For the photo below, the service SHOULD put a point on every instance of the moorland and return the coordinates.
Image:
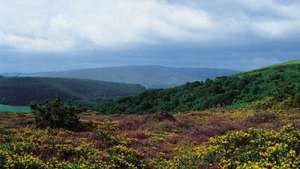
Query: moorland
(246, 120)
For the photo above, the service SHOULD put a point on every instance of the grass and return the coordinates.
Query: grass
(16, 109)
(287, 63)
(292, 62)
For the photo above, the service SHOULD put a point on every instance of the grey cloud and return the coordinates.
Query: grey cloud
(54, 35)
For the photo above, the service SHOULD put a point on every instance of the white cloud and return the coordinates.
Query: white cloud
(103, 23)
(59, 25)
(277, 29)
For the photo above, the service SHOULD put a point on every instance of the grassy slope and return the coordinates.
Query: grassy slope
(22, 91)
(279, 82)
(16, 109)
(292, 62)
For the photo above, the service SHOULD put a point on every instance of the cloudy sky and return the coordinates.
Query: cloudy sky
(45, 35)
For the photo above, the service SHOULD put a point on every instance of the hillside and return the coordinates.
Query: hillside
(14, 109)
(149, 76)
(24, 90)
(277, 85)
(213, 138)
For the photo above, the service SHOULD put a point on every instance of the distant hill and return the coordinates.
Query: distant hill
(149, 76)
(24, 90)
(277, 85)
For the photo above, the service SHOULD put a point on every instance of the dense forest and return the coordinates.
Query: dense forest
(278, 83)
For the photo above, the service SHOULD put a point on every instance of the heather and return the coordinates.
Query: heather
(216, 138)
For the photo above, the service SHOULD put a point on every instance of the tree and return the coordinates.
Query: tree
(55, 114)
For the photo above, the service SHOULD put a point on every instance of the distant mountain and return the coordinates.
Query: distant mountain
(276, 86)
(149, 76)
(24, 90)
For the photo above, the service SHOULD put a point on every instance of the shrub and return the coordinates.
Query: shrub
(55, 114)
(26, 162)
(125, 158)
(262, 117)
(255, 148)
(162, 116)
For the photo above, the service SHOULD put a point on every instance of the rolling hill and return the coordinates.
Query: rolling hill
(277, 85)
(24, 90)
(149, 76)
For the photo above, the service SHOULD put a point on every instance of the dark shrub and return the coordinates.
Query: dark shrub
(55, 114)
(163, 116)
(262, 117)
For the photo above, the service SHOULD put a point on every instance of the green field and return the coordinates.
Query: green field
(16, 109)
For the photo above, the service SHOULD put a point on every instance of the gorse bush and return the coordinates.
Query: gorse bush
(153, 145)
(254, 148)
(55, 114)
(125, 158)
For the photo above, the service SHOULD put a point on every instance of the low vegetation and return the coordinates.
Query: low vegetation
(218, 138)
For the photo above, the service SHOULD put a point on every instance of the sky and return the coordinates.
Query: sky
(50, 35)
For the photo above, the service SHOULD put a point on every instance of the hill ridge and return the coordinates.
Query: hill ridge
(151, 76)
(271, 86)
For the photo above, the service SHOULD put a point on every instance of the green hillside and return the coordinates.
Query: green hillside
(15, 109)
(24, 90)
(291, 62)
(277, 85)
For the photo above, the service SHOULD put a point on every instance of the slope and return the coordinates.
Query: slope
(149, 76)
(24, 90)
(277, 85)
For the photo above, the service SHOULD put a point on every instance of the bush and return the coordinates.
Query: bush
(262, 117)
(125, 158)
(255, 149)
(26, 162)
(55, 114)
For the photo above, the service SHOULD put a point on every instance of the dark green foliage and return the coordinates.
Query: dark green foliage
(55, 114)
(281, 83)
(23, 90)
(297, 97)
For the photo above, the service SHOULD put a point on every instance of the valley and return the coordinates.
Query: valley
(26, 90)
